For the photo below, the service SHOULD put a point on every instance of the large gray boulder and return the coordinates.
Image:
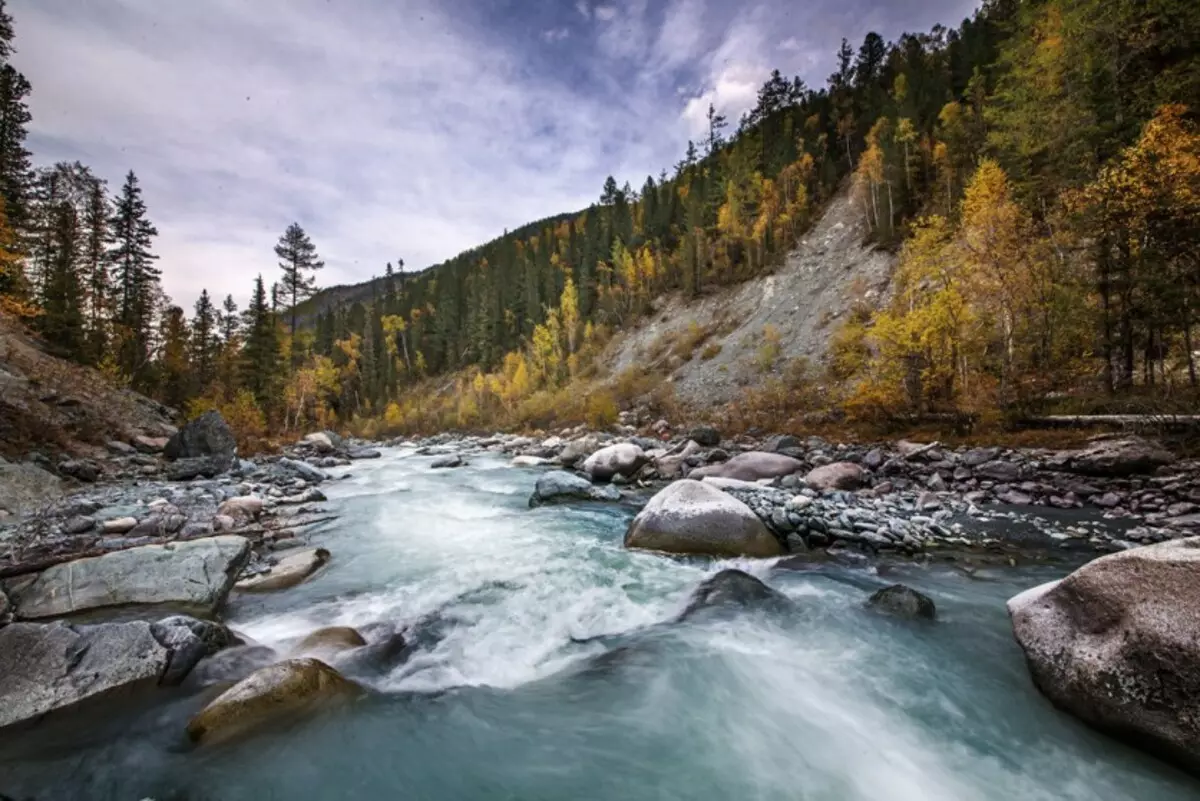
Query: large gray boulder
(1117, 644)
(195, 576)
(836, 476)
(903, 602)
(751, 466)
(559, 486)
(206, 437)
(44, 668)
(1126, 456)
(622, 459)
(696, 518)
(577, 450)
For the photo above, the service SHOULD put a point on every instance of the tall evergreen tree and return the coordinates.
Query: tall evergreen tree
(205, 340)
(260, 353)
(228, 321)
(136, 277)
(94, 261)
(16, 171)
(62, 318)
(176, 380)
(299, 262)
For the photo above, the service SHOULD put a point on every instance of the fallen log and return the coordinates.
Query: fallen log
(1122, 421)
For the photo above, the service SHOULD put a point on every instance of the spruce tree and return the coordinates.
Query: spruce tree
(61, 321)
(94, 261)
(205, 341)
(299, 262)
(16, 171)
(176, 379)
(228, 321)
(260, 354)
(136, 277)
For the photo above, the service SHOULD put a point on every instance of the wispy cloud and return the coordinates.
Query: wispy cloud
(390, 130)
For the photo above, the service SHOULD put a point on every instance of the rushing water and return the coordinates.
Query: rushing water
(828, 703)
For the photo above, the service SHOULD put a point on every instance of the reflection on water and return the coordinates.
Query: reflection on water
(497, 701)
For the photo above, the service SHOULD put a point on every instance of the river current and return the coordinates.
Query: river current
(499, 701)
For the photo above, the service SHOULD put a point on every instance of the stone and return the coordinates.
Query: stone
(998, 471)
(302, 469)
(697, 518)
(201, 466)
(577, 450)
(50, 667)
(243, 507)
(559, 486)
(78, 524)
(1015, 498)
(671, 466)
(320, 441)
(288, 572)
(927, 501)
(207, 437)
(1108, 500)
(120, 448)
(271, 694)
(751, 466)
(732, 589)
(5, 609)
(190, 641)
(839, 475)
(874, 459)
(621, 459)
(705, 436)
(358, 454)
(529, 461)
(781, 443)
(328, 641)
(443, 462)
(1117, 644)
(80, 470)
(119, 525)
(195, 575)
(1117, 458)
(904, 602)
(978, 456)
(150, 445)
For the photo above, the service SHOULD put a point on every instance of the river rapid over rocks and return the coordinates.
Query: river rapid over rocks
(544, 660)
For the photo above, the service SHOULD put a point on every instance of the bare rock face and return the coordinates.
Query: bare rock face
(194, 575)
(836, 476)
(693, 517)
(273, 694)
(1126, 456)
(751, 466)
(1117, 644)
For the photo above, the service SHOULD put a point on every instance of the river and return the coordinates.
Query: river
(828, 703)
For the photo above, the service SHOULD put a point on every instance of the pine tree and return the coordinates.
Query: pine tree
(95, 264)
(205, 341)
(16, 171)
(176, 379)
(716, 124)
(299, 262)
(136, 277)
(228, 321)
(260, 354)
(61, 322)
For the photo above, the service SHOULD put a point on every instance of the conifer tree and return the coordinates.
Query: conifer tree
(136, 277)
(260, 353)
(205, 341)
(61, 322)
(95, 263)
(176, 380)
(299, 262)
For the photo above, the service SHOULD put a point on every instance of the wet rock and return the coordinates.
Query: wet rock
(444, 462)
(195, 575)
(904, 602)
(230, 665)
(622, 459)
(45, 668)
(80, 470)
(375, 658)
(288, 572)
(999, 471)
(187, 469)
(839, 475)
(207, 437)
(273, 694)
(705, 436)
(328, 641)
(78, 525)
(694, 517)
(530, 461)
(1119, 457)
(310, 495)
(1117, 644)
(189, 640)
(364, 453)
(559, 486)
(302, 469)
(751, 466)
(734, 589)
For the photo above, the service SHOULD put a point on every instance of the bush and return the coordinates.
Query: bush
(601, 410)
(769, 350)
(710, 351)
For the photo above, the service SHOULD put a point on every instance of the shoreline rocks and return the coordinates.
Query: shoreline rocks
(559, 486)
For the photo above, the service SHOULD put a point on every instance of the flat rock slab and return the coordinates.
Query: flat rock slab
(290, 571)
(196, 575)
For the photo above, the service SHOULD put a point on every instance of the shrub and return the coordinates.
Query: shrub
(601, 410)
(710, 351)
(769, 350)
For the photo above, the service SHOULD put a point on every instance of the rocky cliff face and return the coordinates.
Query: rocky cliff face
(803, 302)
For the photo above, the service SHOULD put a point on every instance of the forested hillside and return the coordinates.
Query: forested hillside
(1037, 168)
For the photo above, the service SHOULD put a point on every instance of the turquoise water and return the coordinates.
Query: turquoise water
(826, 703)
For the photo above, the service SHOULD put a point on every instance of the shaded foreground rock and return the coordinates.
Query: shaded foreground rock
(559, 486)
(206, 437)
(272, 694)
(288, 572)
(1117, 644)
(751, 466)
(732, 589)
(195, 575)
(44, 668)
(904, 602)
(691, 517)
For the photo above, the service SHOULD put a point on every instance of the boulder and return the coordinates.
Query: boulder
(376, 658)
(694, 517)
(1117, 644)
(671, 466)
(271, 694)
(288, 572)
(577, 450)
(195, 575)
(705, 436)
(320, 441)
(197, 467)
(80, 470)
(44, 668)
(559, 486)
(904, 602)
(329, 640)
(836, 476)
(734, 589)
(998, 470)
(119, 525)
(150, 445)
(303, 469)
(206, 437)
(1117, 458)
(442, 462)
(364, 453)
(529, 461)
(751, 466)
(244, 507)
(622, 459)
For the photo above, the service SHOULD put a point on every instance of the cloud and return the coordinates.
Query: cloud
(389, 130)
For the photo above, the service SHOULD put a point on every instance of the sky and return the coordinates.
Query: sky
(399, 129)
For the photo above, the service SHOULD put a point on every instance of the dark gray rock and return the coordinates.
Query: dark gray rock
(80, 470)
(705, 436)
(874, 459)
(978, 456)
(206, 437)
(186, 469)
(904, 602)
(444, 462)
(302, 469)
(189, 641)
(781, 443)
(78, 524)
(559, 486)
(1126, 456)
(732, 589)
(999, 471)
(363, 453)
